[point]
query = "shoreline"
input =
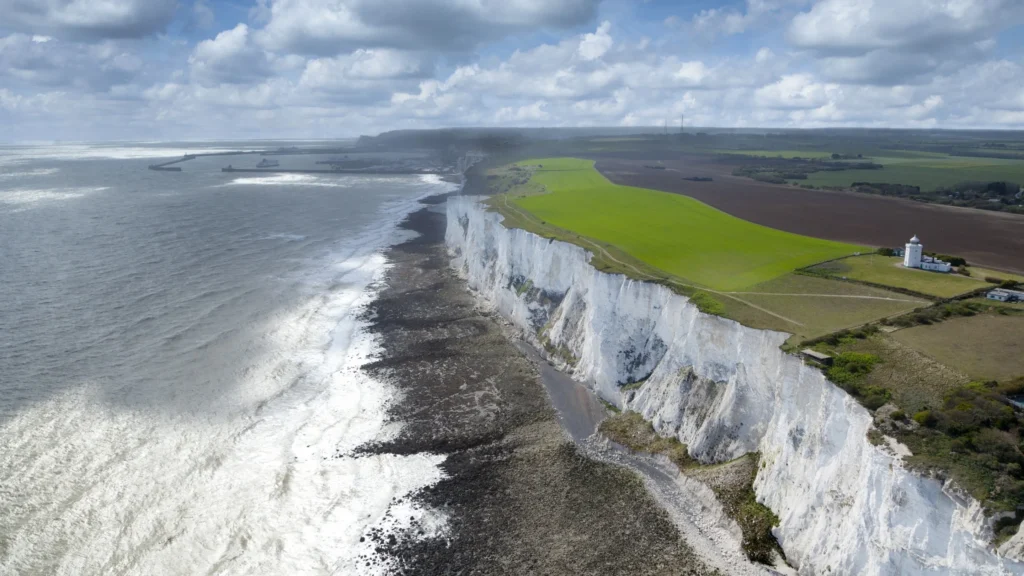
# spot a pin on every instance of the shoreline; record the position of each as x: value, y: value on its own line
x: 519, y: 496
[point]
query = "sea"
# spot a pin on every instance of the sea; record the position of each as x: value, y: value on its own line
x: 180, y: 353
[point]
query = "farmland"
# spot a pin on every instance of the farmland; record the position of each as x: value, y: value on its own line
x: 929, y: 173
x: 990, y: 239
x: 927, y: 170
x: 889, y: 271
x: 985, y: 347
x: 802, y: 305
x: 681, y: 236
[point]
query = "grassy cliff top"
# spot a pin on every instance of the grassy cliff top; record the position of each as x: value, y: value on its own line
x: 680, y: 235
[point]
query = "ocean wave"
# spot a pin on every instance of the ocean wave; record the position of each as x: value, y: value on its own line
x: 29, y: 196
x: 284, y: 236
x: 270, y: 483
x: 22, y: 154
x: 28, y: 173
x: 290, y: 180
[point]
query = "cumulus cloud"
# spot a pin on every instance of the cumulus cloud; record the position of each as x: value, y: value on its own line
x: 36, y: 61
x: 730, y: 20
x: 365, y: 75
x: 201, y: 16
x: 341, y: 67
x: 229, y: 58
x: 593, y: 46
x: 896, y: 41
x: 852, y: 27
x: 330, y: 27
x: 87, y: 19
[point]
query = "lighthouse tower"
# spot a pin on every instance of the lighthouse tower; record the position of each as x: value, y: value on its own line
x: 912, y: 257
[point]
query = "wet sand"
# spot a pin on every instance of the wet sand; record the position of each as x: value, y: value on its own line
x: 520, y: 497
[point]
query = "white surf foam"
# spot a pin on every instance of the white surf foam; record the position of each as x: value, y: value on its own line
x: 267, y: 482
x: 291, y: 180
x: 284, y: 236
x: 28, y: 173
x: 24, y: 197
x: 21, y: 154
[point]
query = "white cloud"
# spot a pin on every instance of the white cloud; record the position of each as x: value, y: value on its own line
x: 229, y: 58
x: 343, y: 67
x: 329, y: 27
x: 729, y: 21
x: 593, y: 46
x: 900, y: 41
x: 860, y: 26
x: 202, y: 16
x: 87, y: 19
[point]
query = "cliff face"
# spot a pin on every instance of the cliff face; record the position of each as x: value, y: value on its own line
x: 845, y: 505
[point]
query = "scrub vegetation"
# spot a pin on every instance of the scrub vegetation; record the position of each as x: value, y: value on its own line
x: 925, y: 384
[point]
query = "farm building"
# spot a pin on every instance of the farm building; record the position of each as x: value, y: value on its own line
x: 1005, y: 295
x: 816, y: 356
x: 913, y: 258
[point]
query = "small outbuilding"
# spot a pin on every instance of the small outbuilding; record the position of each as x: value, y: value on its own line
x: 1005, y: 295
x: 816, y: 356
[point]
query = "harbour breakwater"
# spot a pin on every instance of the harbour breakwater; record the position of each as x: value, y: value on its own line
x: 845, y: 506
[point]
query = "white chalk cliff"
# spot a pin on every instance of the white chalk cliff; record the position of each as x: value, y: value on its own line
x: 845, y: 506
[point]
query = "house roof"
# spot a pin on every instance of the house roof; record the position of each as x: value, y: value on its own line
x: 815, y: 354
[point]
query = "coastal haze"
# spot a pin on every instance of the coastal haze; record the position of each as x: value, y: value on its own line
x: 180, y: 357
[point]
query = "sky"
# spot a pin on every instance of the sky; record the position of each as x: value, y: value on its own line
x: 147, y: 70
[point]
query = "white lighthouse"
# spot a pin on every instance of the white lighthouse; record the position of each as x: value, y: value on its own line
x: 912, y: 256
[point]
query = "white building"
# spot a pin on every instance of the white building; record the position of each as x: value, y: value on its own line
x: 913, y: 257
x: 1004, y: 295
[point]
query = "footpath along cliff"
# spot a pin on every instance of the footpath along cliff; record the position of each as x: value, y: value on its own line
x: 845, y: 505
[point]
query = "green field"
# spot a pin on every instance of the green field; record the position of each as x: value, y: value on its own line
x: 929, y: 172
x: 890, y: 272
x: 986, y: 346
x: 982, y: 273
x: 817, y: 306
x: 681, y: 236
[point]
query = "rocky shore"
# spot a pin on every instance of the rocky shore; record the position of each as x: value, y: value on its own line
x: 519, y: 496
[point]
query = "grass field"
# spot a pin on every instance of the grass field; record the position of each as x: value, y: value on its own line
x: 889, y: 272
x: 679, y: 235
x: 986, y: 347
x: 818, y: 306
x: 929, y: 172
x: 982, y: 273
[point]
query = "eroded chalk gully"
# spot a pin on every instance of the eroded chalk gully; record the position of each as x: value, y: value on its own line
x: 690, y: 505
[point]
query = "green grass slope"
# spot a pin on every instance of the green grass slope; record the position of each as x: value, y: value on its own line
x: 674, y: 233
x: 889, y: 271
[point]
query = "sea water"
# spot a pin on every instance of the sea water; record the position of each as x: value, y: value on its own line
x: 180, y: 382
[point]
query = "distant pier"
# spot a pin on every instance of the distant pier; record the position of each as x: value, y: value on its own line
x: 322, y: 171
x: 167, y: 166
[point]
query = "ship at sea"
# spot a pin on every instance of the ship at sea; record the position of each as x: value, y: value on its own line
x: 267, y: 163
